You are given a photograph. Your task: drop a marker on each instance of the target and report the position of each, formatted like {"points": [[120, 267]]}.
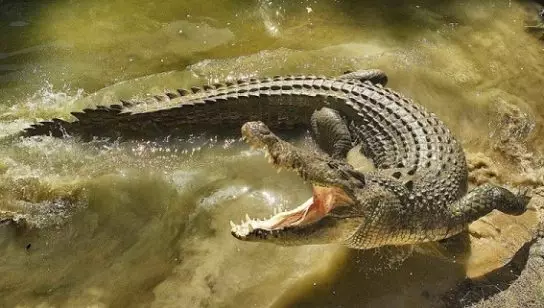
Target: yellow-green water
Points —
{"points": [[151, 229]]}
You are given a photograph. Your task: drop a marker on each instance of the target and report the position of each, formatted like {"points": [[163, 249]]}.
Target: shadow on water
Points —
{"points": [[402, 19], [400, 277], [470, 291], [15, 18], [18, 40], [387, 277], [370, 279]]}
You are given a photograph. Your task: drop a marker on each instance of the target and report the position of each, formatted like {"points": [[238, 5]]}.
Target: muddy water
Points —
{"points": [[150, 223]]}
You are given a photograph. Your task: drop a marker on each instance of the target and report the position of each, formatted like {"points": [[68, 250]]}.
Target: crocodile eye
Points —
{"points": [[359, 176], [343, 212]]}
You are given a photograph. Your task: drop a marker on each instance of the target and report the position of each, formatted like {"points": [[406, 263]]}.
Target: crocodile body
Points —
{"points": [[417, 193]]}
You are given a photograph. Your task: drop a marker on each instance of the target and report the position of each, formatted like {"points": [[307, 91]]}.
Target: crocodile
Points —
{"points": [[418, 192]]}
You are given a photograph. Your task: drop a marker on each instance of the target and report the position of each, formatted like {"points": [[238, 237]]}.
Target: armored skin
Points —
{"points": [[418, 192]]}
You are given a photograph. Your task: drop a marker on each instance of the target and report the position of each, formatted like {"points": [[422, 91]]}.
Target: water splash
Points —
{"points": [[46, 103], [271, 16]]}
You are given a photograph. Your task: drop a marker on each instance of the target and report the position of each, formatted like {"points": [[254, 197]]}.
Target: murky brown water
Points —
{"points": [[151, 223]]}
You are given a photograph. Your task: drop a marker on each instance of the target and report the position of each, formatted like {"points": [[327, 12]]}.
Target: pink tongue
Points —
{"points": [[310, 211], [325, 199]]}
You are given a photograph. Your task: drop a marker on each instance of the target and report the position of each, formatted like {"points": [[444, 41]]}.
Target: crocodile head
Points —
{"points": [[330, 216]]}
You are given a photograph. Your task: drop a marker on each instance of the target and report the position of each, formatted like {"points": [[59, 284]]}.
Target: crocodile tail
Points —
{"points": [[221, 107], [52, 128], [95, 116], [61, 128], [281, 103]]}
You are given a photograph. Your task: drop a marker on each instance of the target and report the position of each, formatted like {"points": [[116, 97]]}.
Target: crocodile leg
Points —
{"points": [[331, 132], [384, 226], [375, 76], [483, 199], [329, 129]]}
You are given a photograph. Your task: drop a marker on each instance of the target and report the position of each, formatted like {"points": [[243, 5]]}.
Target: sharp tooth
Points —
{"points": [[241, 222], [247, 218], [232, 224], [250, 228]]}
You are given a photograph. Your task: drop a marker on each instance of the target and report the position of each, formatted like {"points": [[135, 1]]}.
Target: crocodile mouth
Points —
{"points": [[324, 198]]}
